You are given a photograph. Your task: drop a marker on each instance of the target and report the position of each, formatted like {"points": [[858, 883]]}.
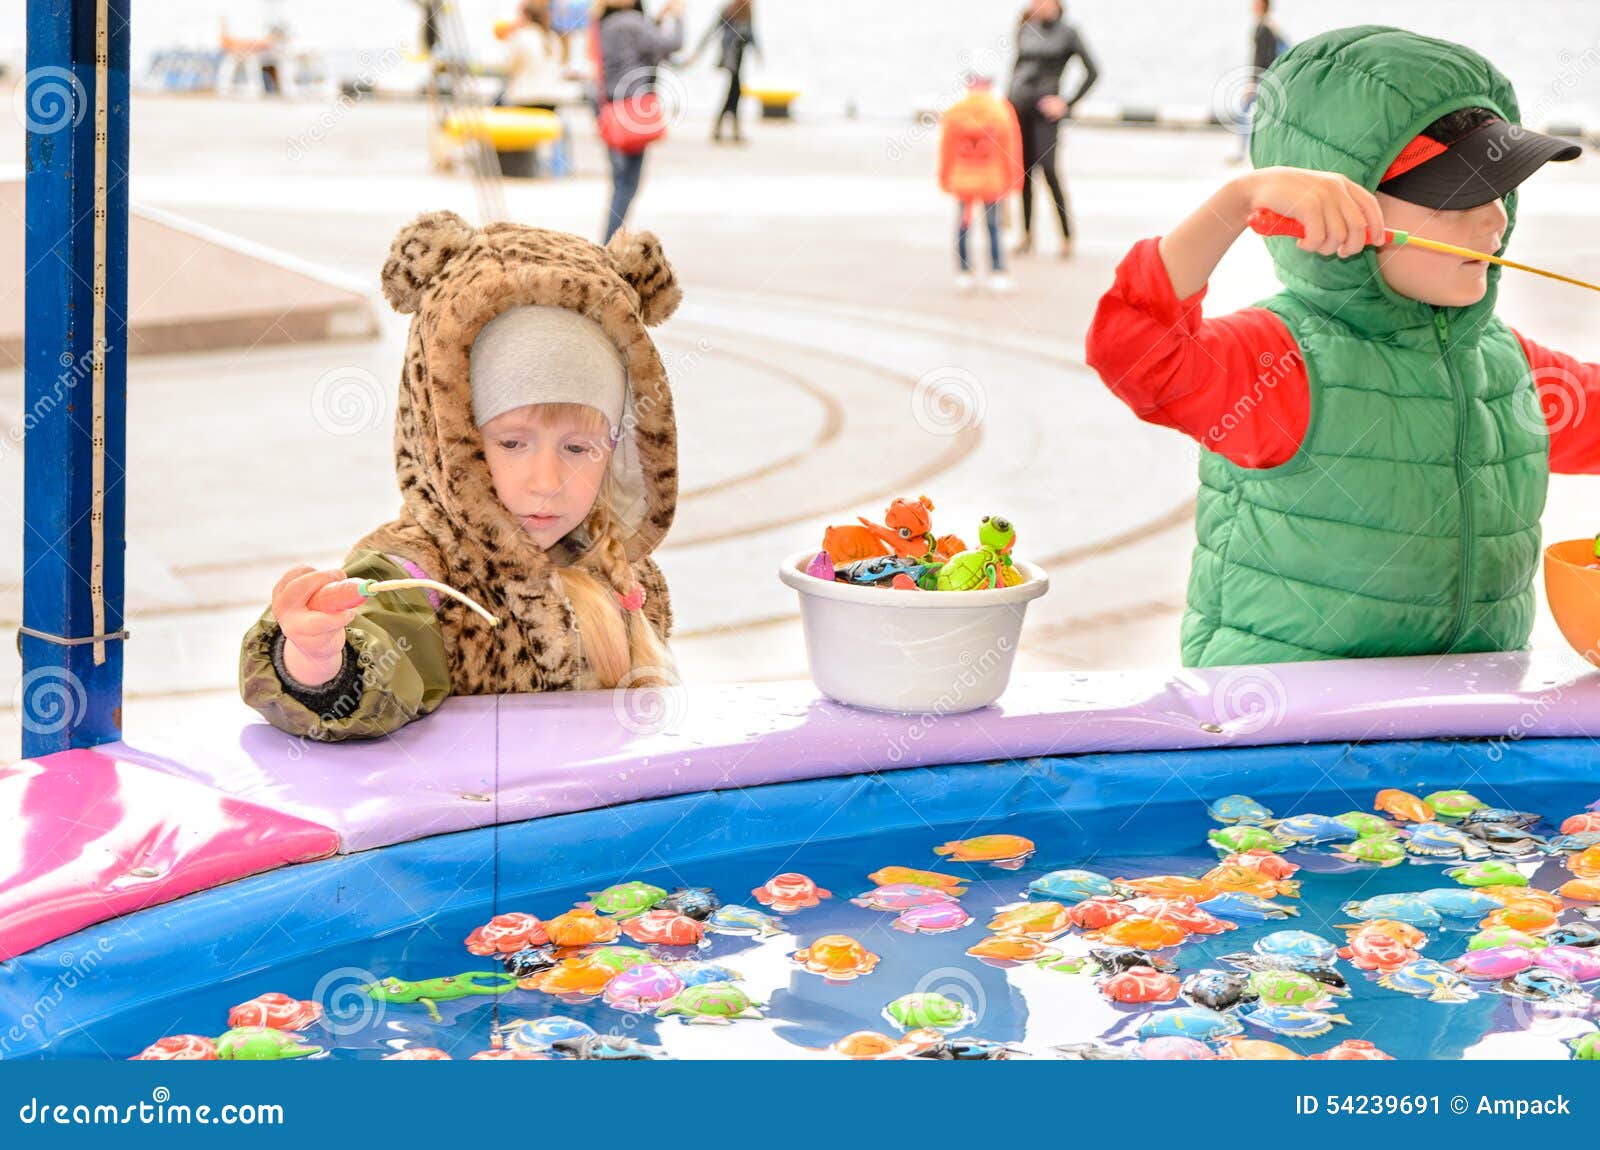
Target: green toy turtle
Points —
{"points": [[928, 1010], [712, 1002], [984, 565], [618, 958], [1490, 872], [1287, 988], [1241, 838], [627, 899], [262, 1044], [1586, 1047], [1382, 850], [1368, 825], [1454, 804], [1497, 936]]}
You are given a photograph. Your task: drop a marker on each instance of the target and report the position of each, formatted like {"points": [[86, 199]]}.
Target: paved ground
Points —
{"points": [[817, 267]]}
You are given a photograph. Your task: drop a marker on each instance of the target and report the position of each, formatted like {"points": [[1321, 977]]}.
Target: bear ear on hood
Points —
{"points": [[638, 258], [419, 253]]}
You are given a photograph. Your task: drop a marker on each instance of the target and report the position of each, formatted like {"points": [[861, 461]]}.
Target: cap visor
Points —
{"points": [[1483, 165]]}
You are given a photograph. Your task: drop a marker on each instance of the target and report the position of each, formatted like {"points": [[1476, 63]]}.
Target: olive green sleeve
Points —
{"points": [[395, 666]]}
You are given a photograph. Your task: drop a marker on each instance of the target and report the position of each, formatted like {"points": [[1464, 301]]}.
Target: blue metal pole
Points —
{"points": [[74, 423]]}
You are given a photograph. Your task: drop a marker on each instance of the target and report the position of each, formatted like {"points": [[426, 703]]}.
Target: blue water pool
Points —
{"points": [[323, 930]]}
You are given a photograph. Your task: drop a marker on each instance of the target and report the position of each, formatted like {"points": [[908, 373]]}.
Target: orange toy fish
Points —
{"points": [[581, 927], [1141, 931], [1528, 918], [1247, 880], [1175, 886], [276, 1010], [1012, 948], [907, 532], [1257, 1050], [1586, 863], [1099, 912], [1008, 852], [576, 979], [1581, 889], [1402, 932], [1525, 896], [1184, 913], [953, 885], [1269, 863], [1038, 919], [1403, 805]]}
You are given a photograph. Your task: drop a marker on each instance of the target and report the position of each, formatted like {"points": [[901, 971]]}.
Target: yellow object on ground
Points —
{"points": [[506, 129]]}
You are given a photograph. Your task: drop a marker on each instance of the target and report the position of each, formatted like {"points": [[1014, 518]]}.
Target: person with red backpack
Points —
{"points": [[625, 47], [980, 162]]}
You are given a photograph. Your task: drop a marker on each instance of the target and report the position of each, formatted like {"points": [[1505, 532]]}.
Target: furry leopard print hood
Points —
{"points": [[452, 279]]}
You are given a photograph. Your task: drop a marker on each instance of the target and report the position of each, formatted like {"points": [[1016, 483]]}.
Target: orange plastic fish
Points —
{"points": [[581, 926], [1528, 918], [1586, 823], [1008, 852], [1402, 932], [1258, 1050], [1175, 886], [952, 885], [1586, 863], [1403, 805], [1038, 919], [417, 1054], [1141, 931], [1524, 896], [1012, 948], [1185, 913], [1247, 880], [837, 957], [870, 1044], [1269, 863], [578, 978], [278, 1011], [1581, 889], [1099, 912]]}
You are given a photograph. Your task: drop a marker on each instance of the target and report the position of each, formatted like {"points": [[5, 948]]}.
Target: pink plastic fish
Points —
{"points": [[1580, 824], [1173, 1048], [901, 896], [1493, 963], [932, 918], [1576, 962]]}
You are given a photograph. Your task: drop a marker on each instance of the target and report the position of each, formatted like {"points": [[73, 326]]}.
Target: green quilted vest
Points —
{"points": [[1408, 522]]}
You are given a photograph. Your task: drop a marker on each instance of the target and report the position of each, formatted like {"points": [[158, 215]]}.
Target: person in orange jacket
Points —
{"points": [[980, 162]]}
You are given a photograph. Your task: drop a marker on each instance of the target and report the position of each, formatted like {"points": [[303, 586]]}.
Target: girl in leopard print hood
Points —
{"points": [[536, 452]]}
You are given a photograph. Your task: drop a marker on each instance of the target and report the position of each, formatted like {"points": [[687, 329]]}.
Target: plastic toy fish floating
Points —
{"points": [[1075, 886], [865, 1044], [664, 928], [606, 1048], [262, 1044], [836, 957], [507, 934], [1043, 920], [1490, 873], [1141, 984], [1269, 863], [1008, 852], [581, 927], [1586, 1047], [1525, 917], [1382, 851], [1584, 864], [1353, 1050], [901, 896], [431, 991], [1587, 822], [1403, 806], [1289, 988], [952, 885], [935, 918], [1377, 950], [1402, 932], [713, 1002], [178, 1048], [1431, 980], [1189, 1022], [1218, 989], [787, 893], [618, 958], [1454, 804], [929, 1009], [886, 571], [1310, 830], [626, 899], [1577, 963], [1009, 949], [1326, 975], [1539, 984], [350, 593], [1257, 1050], [986, 565], [1173, 1050], [699, 973], [1228, 876], [1183, 913], [1458, 902], [1367, 825], [907, 531], [1236, 839], [1114, 958], [642, 988], [1141, 931], [539, 1034], [278, 1011], [1579, 934], [1526, 896], [572, 979], [821, 567], [743, 920], [1174, 886], [1230, 809], [1494, 964], [947, 1049], [1246, 906], [1293, 1021], [1099, 912], [1435, 840], [1406, 908]]}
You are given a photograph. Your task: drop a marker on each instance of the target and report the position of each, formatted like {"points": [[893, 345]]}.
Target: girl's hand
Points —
{"points": [[1054, 107], [314, 640], [1339, 215]]}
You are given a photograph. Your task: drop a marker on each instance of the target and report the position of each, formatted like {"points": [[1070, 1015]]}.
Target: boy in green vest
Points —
{"points": [[1376, 442]]}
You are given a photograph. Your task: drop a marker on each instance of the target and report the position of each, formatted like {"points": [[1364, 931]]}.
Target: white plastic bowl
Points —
{"points": [[913, 652]]}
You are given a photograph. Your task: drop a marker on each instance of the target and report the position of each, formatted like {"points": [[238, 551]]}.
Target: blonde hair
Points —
{"points": [[620, 645]]}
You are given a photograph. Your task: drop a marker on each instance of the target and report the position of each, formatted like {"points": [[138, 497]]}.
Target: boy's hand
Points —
{"points": [[314, 640], [1339, 215]]}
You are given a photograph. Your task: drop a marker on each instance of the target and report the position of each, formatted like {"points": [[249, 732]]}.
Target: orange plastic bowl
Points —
{"points": [[1573, 588]]}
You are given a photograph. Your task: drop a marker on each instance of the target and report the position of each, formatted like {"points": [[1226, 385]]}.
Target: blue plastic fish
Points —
{"points": [[1581, 841], [1235, 905], [1239, 809], [1189, 1022], [1406, 908], [1293, 1020], [1430, 979], [699, 973], [1313, 829], [1460, 902], [1074, 886], [1436, 840], [542, 1033], [1298, 944]]}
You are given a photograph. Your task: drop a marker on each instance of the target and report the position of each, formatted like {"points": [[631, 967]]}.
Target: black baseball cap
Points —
{"points": [[1484, 164]]}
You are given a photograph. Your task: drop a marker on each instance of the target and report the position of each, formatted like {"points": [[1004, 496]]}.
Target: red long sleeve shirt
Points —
{"points": [[1237, 383]]}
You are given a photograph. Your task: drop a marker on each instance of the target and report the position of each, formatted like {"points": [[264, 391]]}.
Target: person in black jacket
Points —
{"points": [[1266, 45], [1046, 44], [735, 28]]}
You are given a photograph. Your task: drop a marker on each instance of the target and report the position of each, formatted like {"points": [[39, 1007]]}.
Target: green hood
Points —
{"points": [[1347, 101]]}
